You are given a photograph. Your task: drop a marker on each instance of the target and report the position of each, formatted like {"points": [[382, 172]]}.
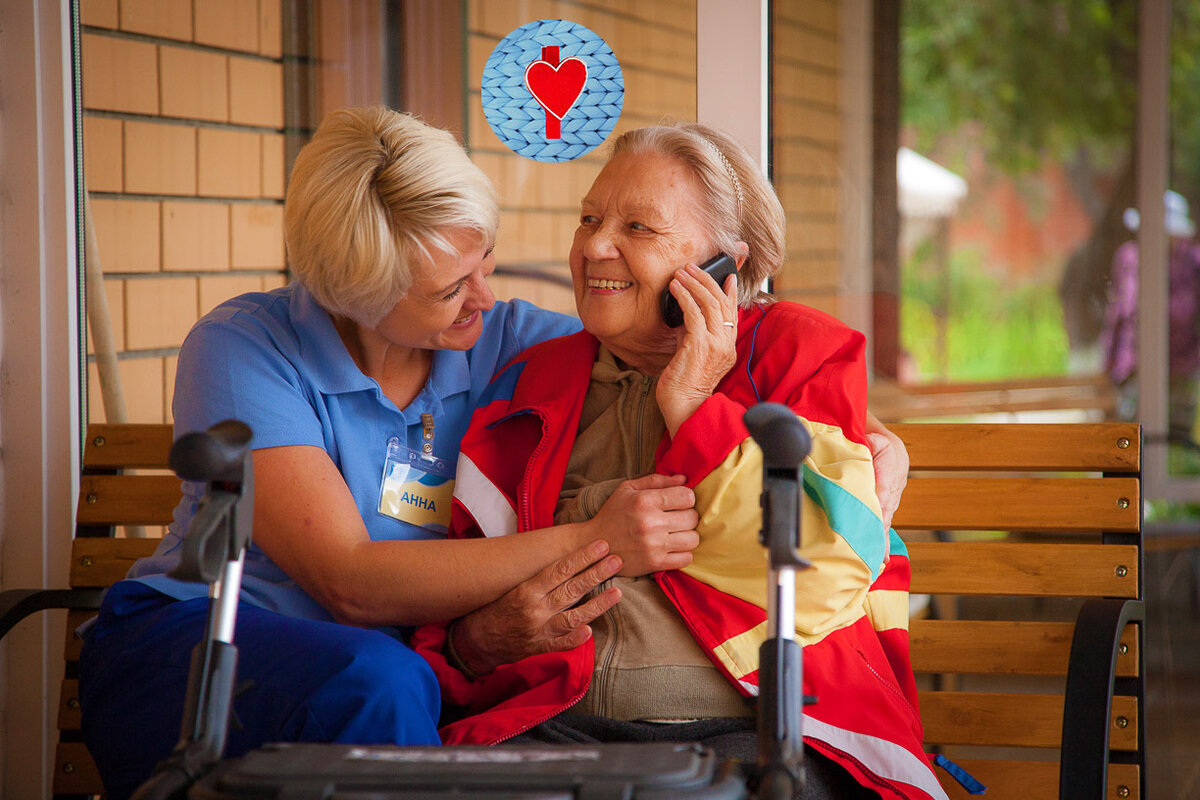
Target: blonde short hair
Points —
{"points": [[739, 203], [368, 197]]}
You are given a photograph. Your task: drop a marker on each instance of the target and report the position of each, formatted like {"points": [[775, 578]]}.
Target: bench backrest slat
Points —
{"points": [[1061, 505], [1003, 647], [1027, 447], [1024, 569]]}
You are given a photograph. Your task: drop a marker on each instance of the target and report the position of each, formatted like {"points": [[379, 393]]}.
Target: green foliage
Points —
{"points": [[1041, 76], [994, 330]]}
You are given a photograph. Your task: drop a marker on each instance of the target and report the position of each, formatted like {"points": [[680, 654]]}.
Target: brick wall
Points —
{"points": [[807, 118], [655, 43], [185, 151], [184, 164]]}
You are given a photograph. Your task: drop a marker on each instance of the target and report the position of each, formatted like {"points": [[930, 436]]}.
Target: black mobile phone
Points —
{"points": [[719, 267]]}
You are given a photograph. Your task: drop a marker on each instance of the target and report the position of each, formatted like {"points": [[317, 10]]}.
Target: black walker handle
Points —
{"points": [[785, 443], [212, 553]]}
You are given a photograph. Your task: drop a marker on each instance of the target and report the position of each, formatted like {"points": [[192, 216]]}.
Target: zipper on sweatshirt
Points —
{"points": [[640, 414], [602, 670], [523, 495]]}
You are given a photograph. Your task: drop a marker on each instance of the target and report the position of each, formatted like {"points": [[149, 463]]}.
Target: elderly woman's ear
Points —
{"points": [[740, 253]]}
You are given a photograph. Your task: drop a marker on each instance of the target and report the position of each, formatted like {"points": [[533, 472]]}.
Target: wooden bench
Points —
{"points": [[1007, 672]]}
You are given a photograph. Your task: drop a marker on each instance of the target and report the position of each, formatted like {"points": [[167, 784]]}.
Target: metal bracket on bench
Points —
{"points": [[1091, 679], [17, 604]]}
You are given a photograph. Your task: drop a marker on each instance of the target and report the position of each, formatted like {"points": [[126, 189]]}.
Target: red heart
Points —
{"points": [[556, 88]]}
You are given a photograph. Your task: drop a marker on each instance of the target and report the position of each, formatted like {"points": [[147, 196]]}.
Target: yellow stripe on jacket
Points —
{"points": [[841, 532]]}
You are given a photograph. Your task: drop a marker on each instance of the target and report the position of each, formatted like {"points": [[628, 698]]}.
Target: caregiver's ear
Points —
{"points": [[741, 251]]}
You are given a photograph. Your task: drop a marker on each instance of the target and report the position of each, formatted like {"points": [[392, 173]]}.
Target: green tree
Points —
{"points": [[1038, 80]]}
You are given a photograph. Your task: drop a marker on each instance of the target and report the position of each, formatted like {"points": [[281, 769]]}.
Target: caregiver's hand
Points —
{"points": [[650, 522], [889, 457], [707, 343], [539, 615]]}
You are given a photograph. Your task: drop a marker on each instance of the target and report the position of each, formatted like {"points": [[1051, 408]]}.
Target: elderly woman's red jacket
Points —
{"points": [[852, 620]]}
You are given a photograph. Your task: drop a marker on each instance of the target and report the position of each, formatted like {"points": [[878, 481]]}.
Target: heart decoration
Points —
{"points": [[556, 87]]}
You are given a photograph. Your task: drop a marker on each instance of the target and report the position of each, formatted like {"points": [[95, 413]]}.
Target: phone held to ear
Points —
{"points": [[719, 267]]}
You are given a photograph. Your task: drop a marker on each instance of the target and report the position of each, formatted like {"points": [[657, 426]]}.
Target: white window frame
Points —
{"points": [[39, 369]]}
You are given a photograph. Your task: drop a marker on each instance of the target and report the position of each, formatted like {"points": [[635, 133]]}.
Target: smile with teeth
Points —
{"points": [[467, 318], [603, 283]]}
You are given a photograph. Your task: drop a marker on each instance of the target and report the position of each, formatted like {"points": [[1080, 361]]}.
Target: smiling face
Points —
{"points": [[638, 225], [443, 308]]}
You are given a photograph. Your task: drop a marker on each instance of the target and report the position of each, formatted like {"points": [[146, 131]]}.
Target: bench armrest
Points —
{"points": [[17, 604], [1091, 680]]}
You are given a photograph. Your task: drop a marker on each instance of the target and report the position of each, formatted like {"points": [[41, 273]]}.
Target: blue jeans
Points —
{"points": [[312, 681]]}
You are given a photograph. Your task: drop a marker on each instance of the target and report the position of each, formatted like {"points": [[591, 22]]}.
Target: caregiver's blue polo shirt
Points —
{"points": [[275, 361]]}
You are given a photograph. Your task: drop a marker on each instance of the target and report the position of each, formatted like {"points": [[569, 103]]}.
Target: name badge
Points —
{"points": [[417, 488]]}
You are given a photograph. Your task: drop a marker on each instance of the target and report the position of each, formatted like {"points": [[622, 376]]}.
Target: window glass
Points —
{"points": [[1014, 169]]}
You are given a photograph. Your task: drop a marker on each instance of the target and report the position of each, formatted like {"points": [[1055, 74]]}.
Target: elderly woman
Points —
{"points": [[358, 381], [570, 419]]}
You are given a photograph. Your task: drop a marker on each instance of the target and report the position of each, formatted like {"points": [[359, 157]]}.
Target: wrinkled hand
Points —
{"points": [[706, 345], [539, 615], [889, 457], [650, 523]]}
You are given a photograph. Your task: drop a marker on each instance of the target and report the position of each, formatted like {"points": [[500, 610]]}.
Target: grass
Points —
{"points": [[995, 328]]}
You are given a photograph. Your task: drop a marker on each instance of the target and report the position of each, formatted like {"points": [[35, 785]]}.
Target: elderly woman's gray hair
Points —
{"points": [[368, 197], [739, 203]]}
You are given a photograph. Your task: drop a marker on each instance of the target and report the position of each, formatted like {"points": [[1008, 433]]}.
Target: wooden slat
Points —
{"points": [[127, 499], [103, 562], [1024, 446], [73, 644], [1034, 780], [1003, 647], [1012, 720], [1020, 504], [1025, 569], [68, 705], [127, 445], [74, 770]]}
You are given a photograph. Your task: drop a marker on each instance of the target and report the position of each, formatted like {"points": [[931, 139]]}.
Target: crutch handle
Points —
{"points": [[214, 454]]}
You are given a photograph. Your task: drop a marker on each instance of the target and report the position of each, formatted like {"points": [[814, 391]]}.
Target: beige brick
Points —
{"points": [[160, 159], [270, 28], [256, 232], [141, 385], [232, 24], [158, 313], [102, 158], [98, 13], [195, 235], [230, 163], [126, 234], [167, 19], [255, 92], [218, 289], [274, 281], [272, 165], [170, 367], [114, 296], [119, 75], [194, 83]]}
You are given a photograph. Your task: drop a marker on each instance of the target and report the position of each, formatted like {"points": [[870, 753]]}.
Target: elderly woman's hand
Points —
{"points": [[541, 615], [706, 348], [651, 523]]}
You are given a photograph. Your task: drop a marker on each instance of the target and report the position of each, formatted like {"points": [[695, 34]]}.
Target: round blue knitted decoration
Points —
{"points": [[522, 60]]}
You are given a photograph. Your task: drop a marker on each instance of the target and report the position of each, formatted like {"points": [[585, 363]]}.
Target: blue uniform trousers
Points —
{"points": [[312, 681]]}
